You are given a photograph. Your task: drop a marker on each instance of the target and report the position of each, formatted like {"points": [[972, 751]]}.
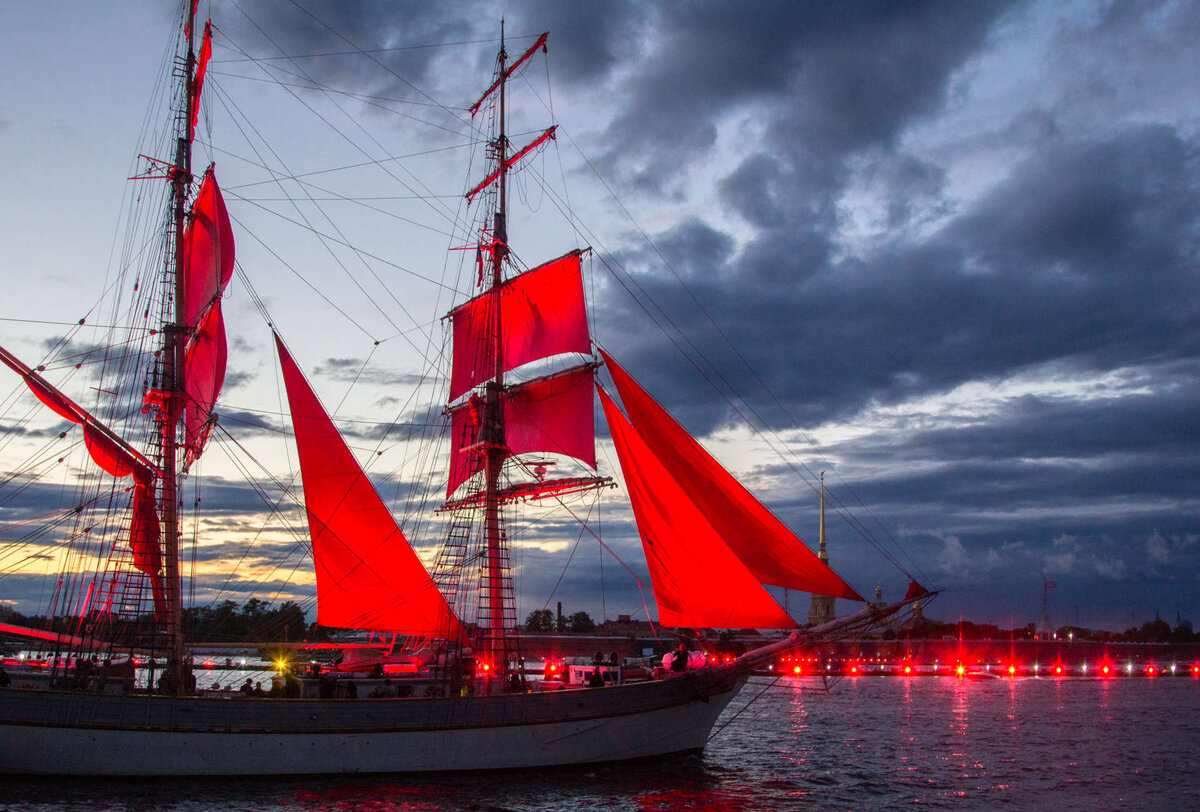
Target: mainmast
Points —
{"points": [[497, 609], [497, 605], [498, 582]]}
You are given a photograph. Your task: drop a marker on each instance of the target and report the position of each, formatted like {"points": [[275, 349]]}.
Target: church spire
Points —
{"points": [[822, 610]]}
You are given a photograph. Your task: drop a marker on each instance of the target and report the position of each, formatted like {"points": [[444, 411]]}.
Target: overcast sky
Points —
{"points": [[946, 252]]}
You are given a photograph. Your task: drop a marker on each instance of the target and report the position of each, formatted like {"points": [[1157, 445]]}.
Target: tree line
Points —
{"points": [[544, 621]]}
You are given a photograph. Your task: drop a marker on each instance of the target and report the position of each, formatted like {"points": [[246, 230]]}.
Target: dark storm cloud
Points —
{"points": [[1084, 257], [595, 37], [823, 79], [1079, 261]]}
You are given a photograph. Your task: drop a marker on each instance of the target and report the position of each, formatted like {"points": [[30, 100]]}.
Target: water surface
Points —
{"points": [[869, 743]]}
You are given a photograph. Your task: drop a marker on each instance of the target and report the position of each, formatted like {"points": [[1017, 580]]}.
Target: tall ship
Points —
{"points": [[525, 373]]}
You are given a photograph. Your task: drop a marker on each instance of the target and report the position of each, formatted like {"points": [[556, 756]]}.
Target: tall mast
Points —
{"points": [[498, 593], [174, 337], [496, 608]]}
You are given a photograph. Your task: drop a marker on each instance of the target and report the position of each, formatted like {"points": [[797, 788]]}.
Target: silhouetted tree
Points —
{"points": [[540, 621], [581, 622]]}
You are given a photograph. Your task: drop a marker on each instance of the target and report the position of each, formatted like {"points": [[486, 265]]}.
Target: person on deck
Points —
{"points": [[680, 661]]}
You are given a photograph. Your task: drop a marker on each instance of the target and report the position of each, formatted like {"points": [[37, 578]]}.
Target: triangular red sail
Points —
{"points": [[698, 581], [552, 415], [544, 314], [208, 251], [772, 552], [204, 374], [368, 577]]}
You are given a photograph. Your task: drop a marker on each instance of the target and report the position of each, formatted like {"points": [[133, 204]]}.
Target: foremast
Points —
{"points": [[174, 338], [171, 398]]}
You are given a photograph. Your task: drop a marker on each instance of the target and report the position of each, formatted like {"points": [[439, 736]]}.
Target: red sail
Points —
{"points": [[772, 552], [208, 266], [198, 81], [207, 251], [544, 314], [107, 454], [204, 374], [551, 415], [145, 534], [698, 581], [53, 400], [368, 577]]}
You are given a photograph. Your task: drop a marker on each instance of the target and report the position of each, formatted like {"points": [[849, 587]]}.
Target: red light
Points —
{"points": [[487, 667], [1012, 670], [908, 669], [1106, 670], [961, 670], [1150, 671], [853, 669], [796, 670], [1196, 669], [1058, 669]]}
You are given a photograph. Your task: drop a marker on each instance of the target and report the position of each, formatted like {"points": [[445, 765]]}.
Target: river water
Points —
{"points": [[868, 743]]}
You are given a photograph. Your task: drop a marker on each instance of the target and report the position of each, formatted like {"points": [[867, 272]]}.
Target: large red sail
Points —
{"points": [[698, 581], [368, 576], [551, 415], [544, 314], [772, 552]]}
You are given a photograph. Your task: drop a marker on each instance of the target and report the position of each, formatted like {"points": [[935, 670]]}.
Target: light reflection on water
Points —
{"points": [[870, 743]]}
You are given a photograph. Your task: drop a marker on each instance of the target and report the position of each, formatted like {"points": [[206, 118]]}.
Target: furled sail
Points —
{"points": [[698, 581], [543, 313], [208, 252], [772, 552], [368, 576], [554, 415]]}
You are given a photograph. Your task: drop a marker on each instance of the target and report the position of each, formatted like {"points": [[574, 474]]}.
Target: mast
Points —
{"points": [[497, 610], [497, 569], [174, 338]]}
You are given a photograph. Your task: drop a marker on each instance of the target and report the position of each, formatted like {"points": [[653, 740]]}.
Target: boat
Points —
{"points": [[710, 545]]}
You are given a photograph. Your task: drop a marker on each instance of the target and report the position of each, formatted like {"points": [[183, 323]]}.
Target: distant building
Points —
{"points": [[626, 625], [822, 610]]}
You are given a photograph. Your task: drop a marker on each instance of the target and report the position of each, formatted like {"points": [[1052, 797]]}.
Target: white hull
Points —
{"points": [[95, 735]]}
